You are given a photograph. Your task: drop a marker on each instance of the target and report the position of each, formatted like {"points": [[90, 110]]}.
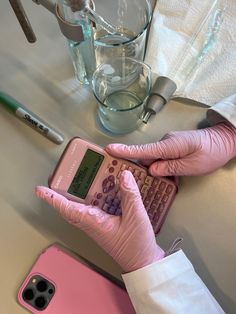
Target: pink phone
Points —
{"points": [[86, 173], [59, 283]]}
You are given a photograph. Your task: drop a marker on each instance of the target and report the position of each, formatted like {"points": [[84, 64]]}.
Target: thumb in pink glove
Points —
{"points": [[129, 238], [183, 153]]}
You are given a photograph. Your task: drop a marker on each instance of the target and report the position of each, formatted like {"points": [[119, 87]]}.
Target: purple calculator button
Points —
{"points": [[114, 162], [105, 207], [111, 178], [112, 210], [118, 211], [109, 199]]}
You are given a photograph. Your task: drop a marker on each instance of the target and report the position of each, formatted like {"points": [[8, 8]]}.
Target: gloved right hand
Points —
{"points": [[129, 239], [184, 153]]}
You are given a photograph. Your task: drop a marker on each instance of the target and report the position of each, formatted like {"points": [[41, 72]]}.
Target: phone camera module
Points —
{"points": [[40, 302], [28, 294], [38, 292]]}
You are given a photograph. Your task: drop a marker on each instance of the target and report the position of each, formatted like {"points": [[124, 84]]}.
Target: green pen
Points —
{"points": [[30, 119]]}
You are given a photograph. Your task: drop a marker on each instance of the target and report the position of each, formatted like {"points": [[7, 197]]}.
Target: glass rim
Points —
{"points": [[145, 65], [149, 11], [122, 58]]}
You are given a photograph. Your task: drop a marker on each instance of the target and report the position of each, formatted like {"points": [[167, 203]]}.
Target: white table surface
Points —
{"points": [[40, 76]]}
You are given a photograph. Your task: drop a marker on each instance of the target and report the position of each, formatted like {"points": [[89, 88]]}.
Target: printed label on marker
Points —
{"points": [[32, 121]]}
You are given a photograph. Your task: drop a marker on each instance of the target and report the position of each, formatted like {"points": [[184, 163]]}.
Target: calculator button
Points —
{"points": [[95, 203], [142, 176], [169, 189], [111, 178], [131, 169], [136, 172], [139, 184], [161, 207], [114, 162], [155, 183], [157, 196], [111, 169], [153, 209], [150, 215], [105, 207], [118, 211], [144, 189], [148, 180], [151, 192], [116, 202], [165, 198], [147, 202], [162, 186], [111, 210], [154, 204], [136, 178], [107, 185], [155, 219], [99, 195], [109, 199], [124, 167]]}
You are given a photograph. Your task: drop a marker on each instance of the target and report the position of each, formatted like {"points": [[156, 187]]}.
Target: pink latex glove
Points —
{"points": [[129, 238], [183, 153]]}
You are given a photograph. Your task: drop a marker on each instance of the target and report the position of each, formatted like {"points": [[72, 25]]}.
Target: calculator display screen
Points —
{"points": [[85, 174]]}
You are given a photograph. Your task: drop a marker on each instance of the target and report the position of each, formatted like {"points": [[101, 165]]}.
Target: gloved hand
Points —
{"points": [[183, 153], [129, 238]]}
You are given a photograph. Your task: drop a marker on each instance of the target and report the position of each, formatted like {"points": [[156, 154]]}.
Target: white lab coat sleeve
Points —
{"points": [[223, 110], [169, 286]]}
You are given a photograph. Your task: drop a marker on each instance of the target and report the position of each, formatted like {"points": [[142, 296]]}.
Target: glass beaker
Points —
{"points": [[121, 87], [131, 19]]}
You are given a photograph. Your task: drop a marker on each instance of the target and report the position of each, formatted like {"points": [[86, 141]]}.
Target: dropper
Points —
{"points": [[84, 8]]}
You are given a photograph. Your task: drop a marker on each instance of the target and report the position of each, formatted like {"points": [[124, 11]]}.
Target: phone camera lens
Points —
{"points": [[42, 286], [40, 302], [28, 294]]}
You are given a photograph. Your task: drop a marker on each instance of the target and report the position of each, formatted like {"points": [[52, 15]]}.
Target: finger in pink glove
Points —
{"points": [[184, 153], [129, 239]]}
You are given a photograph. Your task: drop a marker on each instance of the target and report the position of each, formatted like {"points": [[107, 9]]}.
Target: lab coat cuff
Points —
{"points": [[155, 274], [223, 111]]}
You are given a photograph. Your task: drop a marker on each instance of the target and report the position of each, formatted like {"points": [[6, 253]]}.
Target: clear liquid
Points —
{"points": [[121, 44], [121, 112]]}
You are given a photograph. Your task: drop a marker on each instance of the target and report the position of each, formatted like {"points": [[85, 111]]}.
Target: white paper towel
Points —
{"points": [[174, 23]]}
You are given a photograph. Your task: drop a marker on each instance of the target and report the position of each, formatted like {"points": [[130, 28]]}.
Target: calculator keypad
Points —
{"points": [[157, 193]]}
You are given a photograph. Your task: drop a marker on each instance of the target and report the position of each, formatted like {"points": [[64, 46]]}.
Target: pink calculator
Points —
{"points": [[86, 173]]}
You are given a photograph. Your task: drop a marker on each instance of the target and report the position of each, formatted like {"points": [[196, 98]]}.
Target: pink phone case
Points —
{"points": [[78, 288]]}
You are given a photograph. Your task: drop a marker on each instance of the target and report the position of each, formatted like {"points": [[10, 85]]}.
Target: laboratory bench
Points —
{"points": [[41, 77]]}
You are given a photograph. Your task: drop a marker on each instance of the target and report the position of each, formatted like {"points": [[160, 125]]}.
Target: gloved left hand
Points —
{"points": [[129, 238]]}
